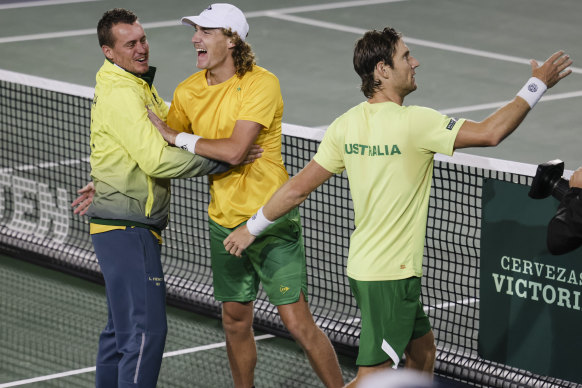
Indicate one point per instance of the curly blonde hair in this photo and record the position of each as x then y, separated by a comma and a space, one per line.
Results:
242, 53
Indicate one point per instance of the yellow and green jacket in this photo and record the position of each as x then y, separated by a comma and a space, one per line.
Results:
131, 164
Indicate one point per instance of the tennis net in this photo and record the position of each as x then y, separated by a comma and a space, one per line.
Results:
44, 129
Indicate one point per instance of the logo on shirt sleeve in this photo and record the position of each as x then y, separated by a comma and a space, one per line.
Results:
452, 123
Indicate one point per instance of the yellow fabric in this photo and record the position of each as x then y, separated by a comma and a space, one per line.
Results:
98, 228
388, 152
131, 164
211, 112
150, 200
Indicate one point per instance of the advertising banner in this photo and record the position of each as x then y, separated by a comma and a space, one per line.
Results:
530, 314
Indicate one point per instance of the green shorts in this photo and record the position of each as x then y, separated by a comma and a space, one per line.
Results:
276, 259
392, 315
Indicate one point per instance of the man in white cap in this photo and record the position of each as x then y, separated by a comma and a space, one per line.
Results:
219, 113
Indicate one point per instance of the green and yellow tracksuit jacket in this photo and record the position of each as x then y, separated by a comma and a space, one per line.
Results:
131, 164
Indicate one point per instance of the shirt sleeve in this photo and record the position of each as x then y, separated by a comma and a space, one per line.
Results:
432, 131
330, 153
261, 99
565, 228
177, 117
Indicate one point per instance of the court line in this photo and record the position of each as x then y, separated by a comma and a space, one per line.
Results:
315, 133
499, 104
28, 167
176, 22
284, 14
451, 304
50, 35
92, 369
440, 306
408, 40
321, 7
41, 3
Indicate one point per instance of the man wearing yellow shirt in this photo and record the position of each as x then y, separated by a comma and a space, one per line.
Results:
387, 150
220, 112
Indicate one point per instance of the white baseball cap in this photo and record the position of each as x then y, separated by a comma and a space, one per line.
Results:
220, 15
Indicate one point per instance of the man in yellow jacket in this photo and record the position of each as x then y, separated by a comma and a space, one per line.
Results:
131, 167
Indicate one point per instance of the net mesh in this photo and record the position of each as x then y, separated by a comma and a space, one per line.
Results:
51, 321
45, 148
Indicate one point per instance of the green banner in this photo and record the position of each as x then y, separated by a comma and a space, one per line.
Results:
530, 306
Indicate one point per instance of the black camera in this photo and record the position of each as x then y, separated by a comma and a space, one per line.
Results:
548, 181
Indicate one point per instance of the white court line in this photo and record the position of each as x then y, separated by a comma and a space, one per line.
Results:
408, 40
315, 22
50, 35
451, 304
208, 347
48, 377
315, 133
60, 163
321, 7
284, 14
83, 32
495, 105
92, 369
439, 306
43, 3
176, 22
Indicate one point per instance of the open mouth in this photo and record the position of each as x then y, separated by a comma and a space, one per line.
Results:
201, 51
142, 59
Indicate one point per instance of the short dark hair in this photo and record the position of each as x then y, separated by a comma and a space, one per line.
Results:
110, 19
375, 46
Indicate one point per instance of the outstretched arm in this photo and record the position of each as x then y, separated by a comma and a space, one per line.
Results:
495, 128
290, 195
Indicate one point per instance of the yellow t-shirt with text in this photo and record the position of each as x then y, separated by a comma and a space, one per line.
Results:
388, 153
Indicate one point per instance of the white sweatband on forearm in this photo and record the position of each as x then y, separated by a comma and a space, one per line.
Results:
532, 91
187, 141
257, 223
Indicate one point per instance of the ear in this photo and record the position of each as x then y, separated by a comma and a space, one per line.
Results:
107, 51
382, 69
229, 43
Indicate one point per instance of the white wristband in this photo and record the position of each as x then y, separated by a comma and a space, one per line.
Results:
187, 141
532, 91
257, 223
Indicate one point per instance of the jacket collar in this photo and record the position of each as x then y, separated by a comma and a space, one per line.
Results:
147, 77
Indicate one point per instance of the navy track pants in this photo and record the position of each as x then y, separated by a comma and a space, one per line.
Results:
132, 344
